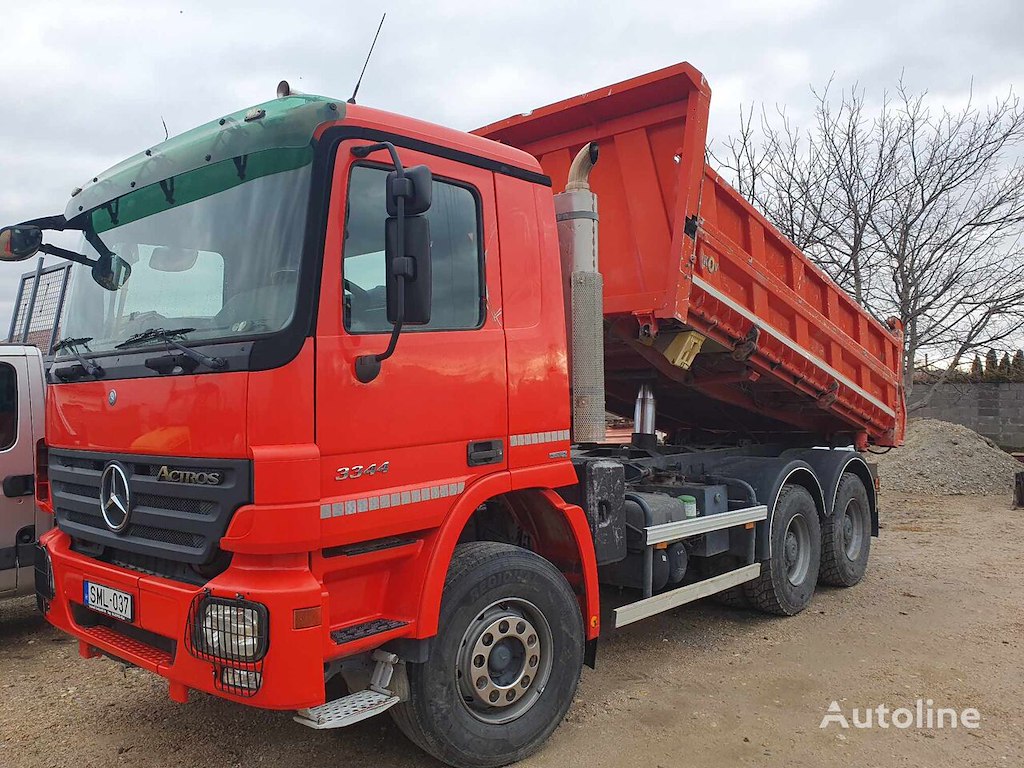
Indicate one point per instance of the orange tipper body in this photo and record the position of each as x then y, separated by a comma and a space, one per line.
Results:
679, 245
266, 494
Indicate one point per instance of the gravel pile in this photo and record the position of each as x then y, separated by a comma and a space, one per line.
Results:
946, 459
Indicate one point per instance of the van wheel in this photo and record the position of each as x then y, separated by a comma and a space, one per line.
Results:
846, 535
788, 577
504, 665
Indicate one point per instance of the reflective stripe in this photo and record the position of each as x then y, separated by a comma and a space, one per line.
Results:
388, 500
537, 438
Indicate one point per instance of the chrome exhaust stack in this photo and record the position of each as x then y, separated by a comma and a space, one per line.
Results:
576, 215
644, 411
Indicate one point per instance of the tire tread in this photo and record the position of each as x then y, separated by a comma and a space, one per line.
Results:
831, 572
762, 592
466, 558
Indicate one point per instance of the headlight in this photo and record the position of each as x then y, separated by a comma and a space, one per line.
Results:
231, 630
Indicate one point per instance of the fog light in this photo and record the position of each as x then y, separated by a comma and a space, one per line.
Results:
234, 630
248, 679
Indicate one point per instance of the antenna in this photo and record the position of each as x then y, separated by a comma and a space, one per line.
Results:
352, 99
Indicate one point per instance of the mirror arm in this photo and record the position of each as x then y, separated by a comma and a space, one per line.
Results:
64, 253
368, 149
56, 223
368, 366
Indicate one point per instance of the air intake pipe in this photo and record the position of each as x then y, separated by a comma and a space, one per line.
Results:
576, 214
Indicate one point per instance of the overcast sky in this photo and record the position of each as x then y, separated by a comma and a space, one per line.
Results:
85, 84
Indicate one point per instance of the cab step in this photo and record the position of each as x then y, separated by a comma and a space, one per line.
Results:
359, 631
347, 710
358, 706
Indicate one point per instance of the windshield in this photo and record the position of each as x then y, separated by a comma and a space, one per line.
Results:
216, 250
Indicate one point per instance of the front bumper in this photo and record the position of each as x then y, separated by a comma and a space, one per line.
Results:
292, 670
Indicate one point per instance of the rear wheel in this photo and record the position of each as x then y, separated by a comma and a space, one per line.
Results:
788, 577
846, 535
504, 665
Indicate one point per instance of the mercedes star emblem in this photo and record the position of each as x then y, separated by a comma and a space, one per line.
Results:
115, 497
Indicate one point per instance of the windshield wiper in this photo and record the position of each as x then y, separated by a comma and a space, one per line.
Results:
151, 334
170, 338
71, 345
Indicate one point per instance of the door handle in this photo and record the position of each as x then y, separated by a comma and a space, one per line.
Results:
481, 452
19, 485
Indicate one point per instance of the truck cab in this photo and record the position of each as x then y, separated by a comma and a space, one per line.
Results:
211, 448
21, 432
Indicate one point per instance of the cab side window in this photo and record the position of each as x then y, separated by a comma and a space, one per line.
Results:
456, 256
8, 406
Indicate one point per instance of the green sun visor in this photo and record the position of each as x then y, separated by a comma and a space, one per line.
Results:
229, 150
189, 186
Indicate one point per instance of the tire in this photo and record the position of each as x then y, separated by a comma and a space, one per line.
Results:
734, 597
788, 577
495, 591
846, 535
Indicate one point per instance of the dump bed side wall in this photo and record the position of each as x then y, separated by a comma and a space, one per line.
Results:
746, 273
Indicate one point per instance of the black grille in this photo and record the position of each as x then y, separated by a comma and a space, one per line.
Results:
170, 525
76, 462
188, 506
75, 489
167, 536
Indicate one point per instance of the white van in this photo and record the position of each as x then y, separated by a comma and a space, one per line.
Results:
22, 392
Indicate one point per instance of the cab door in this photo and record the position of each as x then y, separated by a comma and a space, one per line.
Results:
17, 507
398, 451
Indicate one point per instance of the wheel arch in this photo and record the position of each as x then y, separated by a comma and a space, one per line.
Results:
830, 466
804, 477
860, 468
558, 531
767, 476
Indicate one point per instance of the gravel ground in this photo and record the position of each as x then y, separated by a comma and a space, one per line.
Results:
940, 616
943, 458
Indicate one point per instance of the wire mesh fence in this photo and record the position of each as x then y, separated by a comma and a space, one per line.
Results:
39, 305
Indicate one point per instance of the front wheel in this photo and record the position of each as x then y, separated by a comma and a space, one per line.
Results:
504, 665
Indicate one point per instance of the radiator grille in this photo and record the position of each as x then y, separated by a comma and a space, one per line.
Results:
170, 524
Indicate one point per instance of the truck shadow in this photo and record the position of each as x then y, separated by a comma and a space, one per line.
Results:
19, 620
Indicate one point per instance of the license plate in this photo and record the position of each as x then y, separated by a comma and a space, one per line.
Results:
112, 602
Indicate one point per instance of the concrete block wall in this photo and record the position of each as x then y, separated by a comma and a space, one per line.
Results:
993, 410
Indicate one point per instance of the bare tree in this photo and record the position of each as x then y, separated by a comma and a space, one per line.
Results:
917, 212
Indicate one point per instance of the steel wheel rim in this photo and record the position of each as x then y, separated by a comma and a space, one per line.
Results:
797, 550
853, 529
504, 661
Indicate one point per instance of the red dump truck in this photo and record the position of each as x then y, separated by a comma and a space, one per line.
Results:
326, 430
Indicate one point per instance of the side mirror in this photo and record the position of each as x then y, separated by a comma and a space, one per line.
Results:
416, 188
111, 272
20, 243
410, 265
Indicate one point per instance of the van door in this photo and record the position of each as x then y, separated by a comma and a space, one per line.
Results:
17, 506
